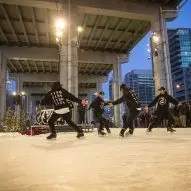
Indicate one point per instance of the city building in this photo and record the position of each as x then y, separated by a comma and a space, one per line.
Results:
180, 60
142, 83
111, 89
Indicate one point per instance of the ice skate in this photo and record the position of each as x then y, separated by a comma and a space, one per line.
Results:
121, 134
149, 131
52, 136
171, 130
108, 131
80, 135
101, 133
129, 133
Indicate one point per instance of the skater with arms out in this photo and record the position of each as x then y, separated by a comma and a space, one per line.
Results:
59, 98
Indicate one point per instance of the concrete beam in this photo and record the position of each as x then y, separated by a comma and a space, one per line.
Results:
86, 91
116, 8
55, 77
30, 53
34, 3
51, 54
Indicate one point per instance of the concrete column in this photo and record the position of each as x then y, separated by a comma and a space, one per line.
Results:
3, 69
98, 86
160, 54
90, 112
73, 57
116, 91
64, 65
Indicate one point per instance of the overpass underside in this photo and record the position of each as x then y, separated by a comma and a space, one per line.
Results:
81, 61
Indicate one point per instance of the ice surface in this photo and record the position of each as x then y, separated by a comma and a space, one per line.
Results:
157, 162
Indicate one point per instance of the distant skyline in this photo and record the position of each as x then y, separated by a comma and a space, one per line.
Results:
139, 56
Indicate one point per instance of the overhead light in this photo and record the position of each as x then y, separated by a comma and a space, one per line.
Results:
60, 24
14, 93
59, 33
22, 93
155, 38
80, 29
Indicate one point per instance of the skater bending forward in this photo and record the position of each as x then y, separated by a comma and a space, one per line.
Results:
98, 108
58, 97
162, 112
132, 102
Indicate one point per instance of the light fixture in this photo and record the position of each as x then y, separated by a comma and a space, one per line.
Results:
177, 86
14, 93
59, 33
60, 24
22, 93
80, 29
155, 38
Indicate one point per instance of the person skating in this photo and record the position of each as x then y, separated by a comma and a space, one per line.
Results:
132, 102
59, 97
162, 111
98, 108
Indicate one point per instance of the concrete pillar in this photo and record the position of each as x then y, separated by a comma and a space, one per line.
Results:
160, 54
64, 65
116, 91
90, 112
3, 68
98, 86
73, 57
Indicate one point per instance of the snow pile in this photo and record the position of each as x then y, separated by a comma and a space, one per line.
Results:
157, 162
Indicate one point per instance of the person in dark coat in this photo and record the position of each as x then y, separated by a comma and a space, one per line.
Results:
162, 111
98, 108
61, 99
134, 109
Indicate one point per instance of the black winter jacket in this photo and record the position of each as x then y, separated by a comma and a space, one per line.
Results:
60, 98
162, 101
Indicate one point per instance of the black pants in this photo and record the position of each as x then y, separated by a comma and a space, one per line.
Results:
128, 120
102, 122
158, 117
82, 117
67, 117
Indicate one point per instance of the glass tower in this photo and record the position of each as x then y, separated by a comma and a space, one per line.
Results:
142, 83
180, 60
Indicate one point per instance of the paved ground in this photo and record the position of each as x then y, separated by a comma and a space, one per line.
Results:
157, 162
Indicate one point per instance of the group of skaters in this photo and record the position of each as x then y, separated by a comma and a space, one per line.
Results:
61, 100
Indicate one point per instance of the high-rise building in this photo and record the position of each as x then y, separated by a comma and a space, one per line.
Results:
111, 89
180, 60
142, 83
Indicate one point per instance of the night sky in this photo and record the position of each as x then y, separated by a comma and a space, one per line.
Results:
139, 55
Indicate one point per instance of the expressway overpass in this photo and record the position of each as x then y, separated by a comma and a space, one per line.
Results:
82, 61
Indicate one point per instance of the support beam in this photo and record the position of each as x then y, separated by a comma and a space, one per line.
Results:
32, 77
35, 66
3, 34
111, 36
50, 64
20, 65
93, 30
123, 35
84, 26
12, 65
47, 27
102, 34
35, 25
28, 65
137, 31
22, 24
35, 3
43, 68
9, 22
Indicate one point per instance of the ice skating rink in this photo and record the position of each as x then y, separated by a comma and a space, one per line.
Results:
156, 162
